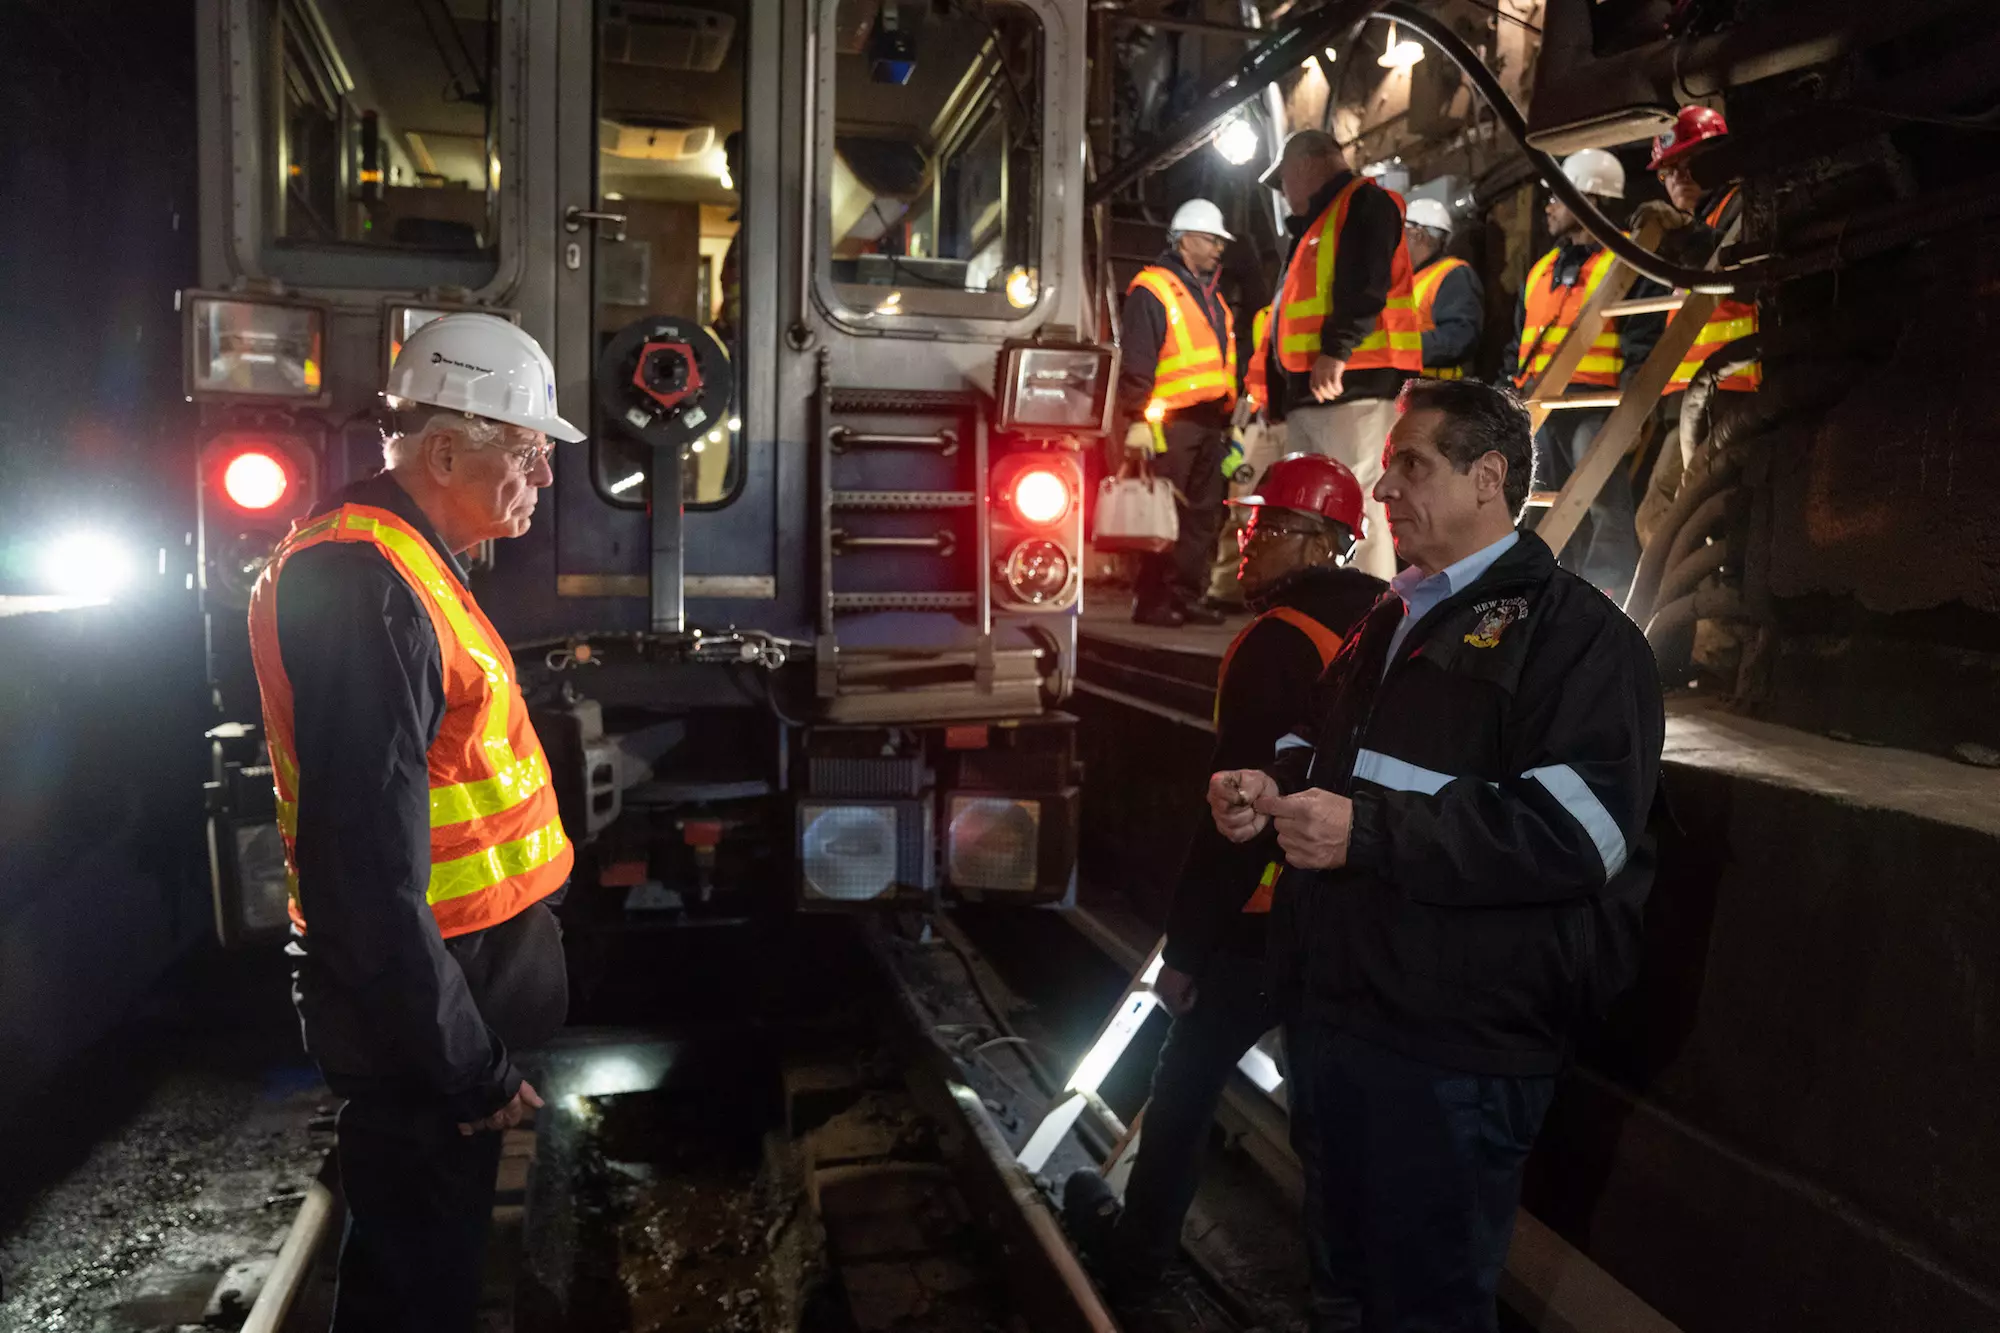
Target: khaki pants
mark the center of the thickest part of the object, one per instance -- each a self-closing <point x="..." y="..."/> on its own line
<point x="1355" y="434"/>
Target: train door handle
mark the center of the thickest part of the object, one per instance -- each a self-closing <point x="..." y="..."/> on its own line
<point x="574" y="217"/>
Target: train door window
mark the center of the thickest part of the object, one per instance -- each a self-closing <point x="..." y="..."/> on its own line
<point x="669" y="121"/>
<point x="385" y="128"/>
<point x="934" y="184"/>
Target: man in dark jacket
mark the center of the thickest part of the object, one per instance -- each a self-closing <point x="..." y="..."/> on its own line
<point x="417" y="978"/>
<point x="1176" y="386"/>
<point x="1451" y="308"/>
<point x="1305" y="517"/>
<point x="1464" y="816"/>
<point x="1343" y="403"/>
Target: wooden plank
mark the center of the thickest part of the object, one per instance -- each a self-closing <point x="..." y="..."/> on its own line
<point x="1621" y="429"/>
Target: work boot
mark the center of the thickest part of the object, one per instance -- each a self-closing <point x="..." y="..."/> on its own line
<point x="1089" y="1212"/>
<point x="1160" y="617"/>
<point x="1201" y="613"/>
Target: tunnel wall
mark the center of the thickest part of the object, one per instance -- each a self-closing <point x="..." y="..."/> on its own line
<point x="102" y="878"/>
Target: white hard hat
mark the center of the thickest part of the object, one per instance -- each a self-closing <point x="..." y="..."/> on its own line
<point x="1198" y="215"/>
<point x="1595" y="171"/>
<point x="484" y="365"/>
<point x="1428" y="213"/>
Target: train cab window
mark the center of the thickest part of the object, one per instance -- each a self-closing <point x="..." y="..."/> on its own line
<point x="669" y="120"/>
<point x="386" y="133"/>
<point x="934" y="182"/>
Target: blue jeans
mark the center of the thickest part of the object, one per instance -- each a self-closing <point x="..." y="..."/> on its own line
<point x="1412" y="1176"/>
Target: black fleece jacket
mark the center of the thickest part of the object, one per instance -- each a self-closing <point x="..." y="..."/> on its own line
<point x="1362" y="273"/>
<point x="1271" y="674"/>
<point x="1143" y="329"/>
<point x="1503" y="770"/>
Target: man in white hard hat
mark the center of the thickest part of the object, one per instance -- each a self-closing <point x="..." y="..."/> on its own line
<point x="1176" y="388"/>
<point x="1605" y="547"/>
<point x="1342" y="337"/>
<point x="420" y="828"/>
<point x="1451" y="309"/>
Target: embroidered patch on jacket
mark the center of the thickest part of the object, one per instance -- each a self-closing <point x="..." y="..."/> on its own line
<point x="1494" y="618"/>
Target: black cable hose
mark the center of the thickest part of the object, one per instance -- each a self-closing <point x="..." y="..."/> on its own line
<point x="1720" y="280"/>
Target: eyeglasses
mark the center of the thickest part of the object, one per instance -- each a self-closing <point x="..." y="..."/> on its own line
<point x="1260" y="529"/>
<point x="528" y="459"/>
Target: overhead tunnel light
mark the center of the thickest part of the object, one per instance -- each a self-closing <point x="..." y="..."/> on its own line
<point x="1237" y="141"/>
<point x="1400" y="54"/>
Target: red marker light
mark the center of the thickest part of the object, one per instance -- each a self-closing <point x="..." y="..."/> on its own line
<point x="255" y="480"/>
<point x="1041" y="496"/>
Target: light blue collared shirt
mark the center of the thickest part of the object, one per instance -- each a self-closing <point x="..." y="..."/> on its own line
<point x="1421" y="592"/>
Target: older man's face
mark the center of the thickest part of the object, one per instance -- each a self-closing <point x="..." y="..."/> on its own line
<point x="493" y="487"/>
<point x="1431" y="505"/>
<point x="1300" y="178"/>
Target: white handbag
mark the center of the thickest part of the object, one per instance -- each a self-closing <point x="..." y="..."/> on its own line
<point x="1136" y="513"/>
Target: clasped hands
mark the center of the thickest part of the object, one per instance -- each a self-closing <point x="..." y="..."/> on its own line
<point x="1313" y="825"/>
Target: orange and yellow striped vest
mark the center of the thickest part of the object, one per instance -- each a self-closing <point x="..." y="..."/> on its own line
<point x="1551" y="312"/>
<point x="1193" y="367"/>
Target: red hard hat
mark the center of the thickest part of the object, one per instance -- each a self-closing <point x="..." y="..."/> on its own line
<point x="1691" y="126"/>
<point x="1311" y="484"/>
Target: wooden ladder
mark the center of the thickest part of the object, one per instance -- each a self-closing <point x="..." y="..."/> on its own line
<point x="1631" y="406"/>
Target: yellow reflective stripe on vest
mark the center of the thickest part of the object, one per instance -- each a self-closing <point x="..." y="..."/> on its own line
<point x="484" y="869"/>
<point x="1710" y="340"/>
<point x="514" y="779"/>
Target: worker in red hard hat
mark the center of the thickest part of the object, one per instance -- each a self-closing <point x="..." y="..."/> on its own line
<point x="1697" y="222"/>
<point x="1305" y="522"/>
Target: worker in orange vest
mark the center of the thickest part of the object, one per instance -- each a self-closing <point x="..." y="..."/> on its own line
<point x="1305" y="522"/>
<point x="422" y="841"/>
<point x="1343" y="335"/>
<point x="1451" y="309"/>
<point x="1605" y="546"/>
<point x="1696" y="222"/>
<point x="1176" y="390"/>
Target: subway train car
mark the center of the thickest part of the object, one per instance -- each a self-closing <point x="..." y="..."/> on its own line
<point x="802" y="611"/>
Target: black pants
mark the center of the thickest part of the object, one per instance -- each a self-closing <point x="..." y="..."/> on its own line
<point x="419" y="1199"/>
<point x="1230" y="1013"/>
<point x="1412" y="1176"/>
<point x="1605" y="545"/>
<point x="1193" y="463"/>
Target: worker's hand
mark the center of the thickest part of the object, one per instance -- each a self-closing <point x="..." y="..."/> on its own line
<point x="1138" y="440"/>
<point x="1313" y="827"/>
<point x="508" y="1116"/>
<point x="1661" y="214"/>
<point x="1176" y="990"/>
<point x="1327" y="375"/>
<point x="1232" y="799"/>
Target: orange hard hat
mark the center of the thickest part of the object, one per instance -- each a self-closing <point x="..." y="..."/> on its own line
<point x="1311" y="484"/>
<point x="1693" y="125"/>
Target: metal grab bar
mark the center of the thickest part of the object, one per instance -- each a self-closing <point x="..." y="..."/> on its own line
<point x="844" y="438"/>
<point x="944" y="543"/>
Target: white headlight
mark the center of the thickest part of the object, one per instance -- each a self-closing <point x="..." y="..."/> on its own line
<point x="254" y="349"/>
<point x="848" y="852"/>
<point x="86" y="564"/>
<point x="1236" y="141"/>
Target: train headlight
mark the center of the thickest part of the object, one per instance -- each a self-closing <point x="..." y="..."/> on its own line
<point x="86" y="565"/>
<point x="848" y="852"/>
<point x="254" y="348"/>
<point x="1051" y="389"/>
<point x="1037" y="571"/>
<point x="994" y="843"/>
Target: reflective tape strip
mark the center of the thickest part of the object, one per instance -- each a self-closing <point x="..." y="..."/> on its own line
<point x="490" y="796"/>
<point x="1575" y="796"/>
<point x="288" y="818"/>
<point x="1291" y="740"/>
<point x="484" y="869"/>
<point x="1397" y="774"/>
<point x="1444" y="373"/>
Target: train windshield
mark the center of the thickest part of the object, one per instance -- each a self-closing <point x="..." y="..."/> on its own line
<point x="385" y="132"/>
<point x="932" y="201"/>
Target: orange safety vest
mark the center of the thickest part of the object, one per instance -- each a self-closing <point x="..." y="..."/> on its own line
<point x="1425" y="289"/>
<point x="497" y="842"/>
<point x="1551" y="312"/>
<point x="1307" y="299"/>
<point x="1732" y="320"/>
<point x="1193" y="366"/>
<point x="1327" y="643"/>
<point x="1255" y="386"/>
